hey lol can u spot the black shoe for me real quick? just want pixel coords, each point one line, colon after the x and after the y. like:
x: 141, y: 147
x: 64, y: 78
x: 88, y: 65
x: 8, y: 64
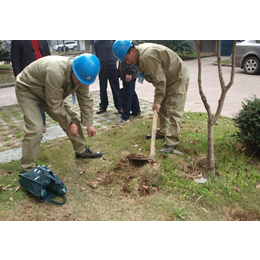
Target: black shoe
x: 89, y: 154
x: 139, y: 114
x: 156, y: 137
x: 167, y: 149
x: 100, y: 111
x: 120, y: 111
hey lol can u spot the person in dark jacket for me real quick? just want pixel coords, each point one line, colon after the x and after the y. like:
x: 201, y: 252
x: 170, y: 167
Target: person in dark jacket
x: 24, y: 52
x: 108, y: 72
x: 128, y: 74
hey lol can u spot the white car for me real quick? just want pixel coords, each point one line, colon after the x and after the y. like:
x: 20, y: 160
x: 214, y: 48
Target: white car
x: 71, y: 45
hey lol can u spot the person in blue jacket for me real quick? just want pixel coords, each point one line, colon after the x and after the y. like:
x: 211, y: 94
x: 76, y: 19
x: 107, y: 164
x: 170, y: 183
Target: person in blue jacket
x: 128, y: 74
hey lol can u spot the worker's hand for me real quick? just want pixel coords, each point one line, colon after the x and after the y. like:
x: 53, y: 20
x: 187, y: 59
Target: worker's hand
x: 91, y: 131
x: 73, y: 130
x: 157, y: 107
x: 128, y: 78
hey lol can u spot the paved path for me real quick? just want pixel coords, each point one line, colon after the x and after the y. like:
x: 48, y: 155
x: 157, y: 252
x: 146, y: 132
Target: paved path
x: 104, y: 120
x: 245, y: 86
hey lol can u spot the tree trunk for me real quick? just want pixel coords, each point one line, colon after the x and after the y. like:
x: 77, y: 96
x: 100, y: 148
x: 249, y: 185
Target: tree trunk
x: 213, y: 119
x: 210, y: 155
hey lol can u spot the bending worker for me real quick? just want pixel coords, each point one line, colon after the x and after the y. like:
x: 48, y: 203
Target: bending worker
x: 45, y: 84
x: 163, y: 68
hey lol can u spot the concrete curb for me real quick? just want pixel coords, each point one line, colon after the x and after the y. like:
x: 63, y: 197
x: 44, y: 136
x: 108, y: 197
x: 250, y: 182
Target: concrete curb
x: 16, y: 154
x: 7, y: 85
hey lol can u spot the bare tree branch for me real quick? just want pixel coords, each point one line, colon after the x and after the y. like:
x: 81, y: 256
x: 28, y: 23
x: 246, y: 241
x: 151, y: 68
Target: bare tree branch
x: 232, y: 76
x: 221, y: 80
x: 203, y: 97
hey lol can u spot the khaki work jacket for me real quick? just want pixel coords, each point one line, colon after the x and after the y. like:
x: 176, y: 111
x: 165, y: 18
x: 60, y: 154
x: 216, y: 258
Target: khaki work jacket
x: 49, y: 79
x: 161, y: 66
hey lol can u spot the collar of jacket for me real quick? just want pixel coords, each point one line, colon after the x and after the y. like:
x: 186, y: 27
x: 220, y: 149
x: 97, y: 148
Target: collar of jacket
x: 69, y: 73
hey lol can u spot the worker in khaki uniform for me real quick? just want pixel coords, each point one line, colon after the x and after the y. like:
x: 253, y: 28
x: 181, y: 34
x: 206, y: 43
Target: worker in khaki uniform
x: 163, y: 68
x: 45, y: 84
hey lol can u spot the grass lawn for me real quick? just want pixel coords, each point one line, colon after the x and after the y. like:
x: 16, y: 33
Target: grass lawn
x: 113, y: 188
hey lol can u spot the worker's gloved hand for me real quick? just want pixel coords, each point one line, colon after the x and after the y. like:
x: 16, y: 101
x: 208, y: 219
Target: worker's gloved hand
x: 91, y: 131
x: 73, y: 130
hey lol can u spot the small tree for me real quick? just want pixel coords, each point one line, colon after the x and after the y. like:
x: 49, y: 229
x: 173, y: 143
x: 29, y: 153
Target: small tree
x: 224, y: 88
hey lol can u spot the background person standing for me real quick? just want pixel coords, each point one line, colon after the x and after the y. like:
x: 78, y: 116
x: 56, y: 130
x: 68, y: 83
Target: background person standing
x: 128, y: 74
x: 108, y: 72
x: 24, y: 52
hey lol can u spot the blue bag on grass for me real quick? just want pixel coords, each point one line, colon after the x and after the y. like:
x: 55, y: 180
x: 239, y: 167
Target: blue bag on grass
x: 43, y: 184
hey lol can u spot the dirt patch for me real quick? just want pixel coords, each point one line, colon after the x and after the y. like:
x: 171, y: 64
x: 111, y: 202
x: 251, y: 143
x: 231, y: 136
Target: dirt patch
x: 4, y: 172
x: 133, y: 178
x: 242, y: 215
x: 195, y: 168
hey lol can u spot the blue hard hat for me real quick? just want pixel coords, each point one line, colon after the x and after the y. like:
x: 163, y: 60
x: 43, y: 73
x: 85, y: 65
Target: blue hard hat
x: 120, y: 48
x: 86, y: 67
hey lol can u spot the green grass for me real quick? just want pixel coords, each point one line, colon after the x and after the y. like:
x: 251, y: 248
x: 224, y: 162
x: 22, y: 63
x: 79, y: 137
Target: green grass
x: 161, y: 191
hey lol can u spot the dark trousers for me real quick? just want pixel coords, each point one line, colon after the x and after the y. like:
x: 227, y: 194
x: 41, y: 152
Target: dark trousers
x: 130, y: 99
x: 112, y: 76
x: 43, y: 117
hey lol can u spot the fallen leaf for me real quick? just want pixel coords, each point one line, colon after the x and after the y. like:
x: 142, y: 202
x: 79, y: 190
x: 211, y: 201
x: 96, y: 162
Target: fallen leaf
x: 236, y: 189
x: 17, y: 188
x: 8, y: 186
x: 145, y: 187
x: 82, y: 188
x: 93, y: 185
x: 11, y: 199
x: 205, y: 210
x: 257, y: 186
x: 81, y: 172
x: 99, y: 180
x: 1, y: 189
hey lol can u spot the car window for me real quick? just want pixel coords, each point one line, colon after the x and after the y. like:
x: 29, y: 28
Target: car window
x: 257, y: 41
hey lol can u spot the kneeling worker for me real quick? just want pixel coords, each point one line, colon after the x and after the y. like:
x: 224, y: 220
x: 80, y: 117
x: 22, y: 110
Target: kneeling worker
x: 45, y: 84
x: 163, y: 68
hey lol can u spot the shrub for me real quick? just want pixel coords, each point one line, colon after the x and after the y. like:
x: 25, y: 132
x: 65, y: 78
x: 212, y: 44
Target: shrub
x: 248, y: 123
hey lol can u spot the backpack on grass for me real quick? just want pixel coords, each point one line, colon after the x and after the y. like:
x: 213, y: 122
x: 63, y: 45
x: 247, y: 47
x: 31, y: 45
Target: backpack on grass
x: 43, y: 184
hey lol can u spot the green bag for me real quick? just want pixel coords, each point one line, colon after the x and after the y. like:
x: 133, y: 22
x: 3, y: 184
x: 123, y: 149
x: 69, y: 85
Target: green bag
x: 43, y: 184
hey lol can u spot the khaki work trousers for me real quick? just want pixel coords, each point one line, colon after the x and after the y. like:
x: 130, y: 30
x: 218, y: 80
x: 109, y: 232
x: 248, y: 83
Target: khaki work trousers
x: 171, y: 111
x: 33, y: 127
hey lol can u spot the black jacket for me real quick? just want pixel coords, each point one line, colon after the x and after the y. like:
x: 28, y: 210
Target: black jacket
x: 22, y: 53
x: 104, y: 52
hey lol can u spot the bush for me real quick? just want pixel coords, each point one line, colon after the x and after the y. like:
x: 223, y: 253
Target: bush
x: 248, y: 122
x: 5, y: 51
